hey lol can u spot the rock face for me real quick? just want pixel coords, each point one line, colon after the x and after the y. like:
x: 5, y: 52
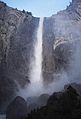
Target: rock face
x: 7, y: 93
x: 60, y: 39
x: 17, y: 35
x: 16, y: 47
x: 17, y: 109
x: 75, y: 86
x: 48, y: 65
x: 62, y: 105
x: 36, y: 102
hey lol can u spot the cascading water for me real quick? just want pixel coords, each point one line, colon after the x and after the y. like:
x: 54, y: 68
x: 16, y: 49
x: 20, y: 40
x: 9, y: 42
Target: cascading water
x: 36, y: 70
x: 35, y: 88
x: 36, y: 73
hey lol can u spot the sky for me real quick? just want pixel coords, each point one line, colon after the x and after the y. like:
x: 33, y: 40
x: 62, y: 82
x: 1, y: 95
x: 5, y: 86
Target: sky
x: 40, y: 8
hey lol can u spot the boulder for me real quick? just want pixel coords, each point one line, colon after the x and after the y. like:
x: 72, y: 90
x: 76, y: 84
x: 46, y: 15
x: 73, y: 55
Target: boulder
x: 75, y: 86
x: 61, y: 105
x: 42, y: 100
x: 37, y: 102
x: 17, y: 109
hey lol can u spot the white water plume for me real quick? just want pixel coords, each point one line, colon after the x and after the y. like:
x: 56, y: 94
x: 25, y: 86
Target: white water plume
x: 36, y: 71
x: 36, y: 85
x: 36, y: 88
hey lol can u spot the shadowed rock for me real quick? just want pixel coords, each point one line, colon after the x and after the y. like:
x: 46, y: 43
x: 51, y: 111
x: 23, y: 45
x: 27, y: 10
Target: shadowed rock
x: 62, y: 105
x: 17, y: 109
x: 37, y: 102
x: 17, y: 30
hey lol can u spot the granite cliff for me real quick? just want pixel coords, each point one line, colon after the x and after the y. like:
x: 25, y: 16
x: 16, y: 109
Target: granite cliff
x: 16, y: 37
x: 17, y: 31
x: 61, y: 34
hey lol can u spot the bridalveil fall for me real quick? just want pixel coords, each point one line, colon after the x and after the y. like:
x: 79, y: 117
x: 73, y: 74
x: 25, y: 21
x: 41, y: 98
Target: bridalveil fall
x: 36, y: 68
x: 35, y: 87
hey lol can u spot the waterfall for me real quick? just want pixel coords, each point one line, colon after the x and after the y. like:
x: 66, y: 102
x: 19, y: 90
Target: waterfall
x: 35, y: 88
x: 37, y: 66
x: 36, y: 69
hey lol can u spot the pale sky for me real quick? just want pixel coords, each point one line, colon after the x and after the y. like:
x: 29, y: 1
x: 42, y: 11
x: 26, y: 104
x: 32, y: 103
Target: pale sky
x: 39, y: 7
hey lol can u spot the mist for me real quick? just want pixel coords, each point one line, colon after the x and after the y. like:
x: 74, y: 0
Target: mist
x: 62, y: 78
x: 36, y: 89
x: 75, y: 64
x: 36, y: 86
